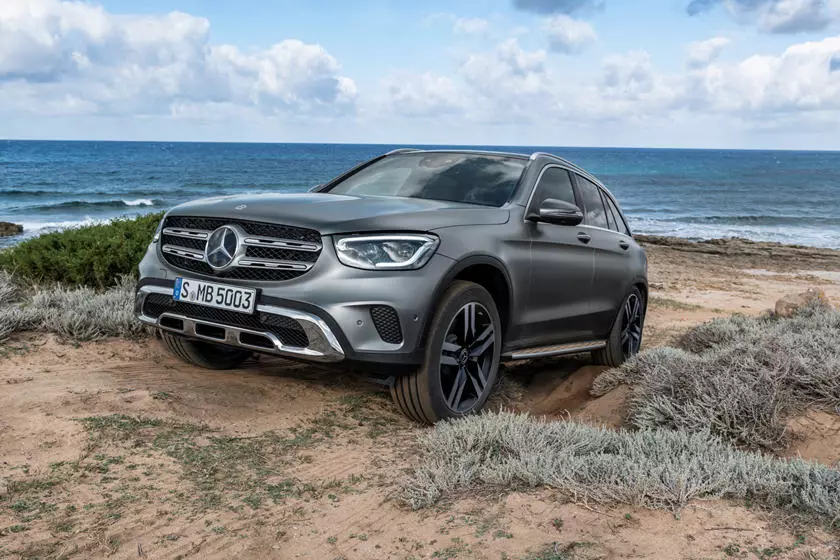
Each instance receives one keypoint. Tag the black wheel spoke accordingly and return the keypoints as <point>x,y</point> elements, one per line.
<point>469,322</point>
<point>476,377</point>
<point>448,360</point>
<point>631,326</point>
<point>466,358</point>
<point>457,388</point>
<point>483,342</point>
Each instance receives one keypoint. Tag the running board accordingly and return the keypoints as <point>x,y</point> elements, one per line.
<point>555,350</point>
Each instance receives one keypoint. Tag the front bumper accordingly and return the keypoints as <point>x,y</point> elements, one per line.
<point>321,346</point>
<point>332,304</point>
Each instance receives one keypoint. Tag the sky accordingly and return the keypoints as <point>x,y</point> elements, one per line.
<point>754,74</point>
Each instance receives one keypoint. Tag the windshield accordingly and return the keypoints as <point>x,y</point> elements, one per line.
<point>472,178</point>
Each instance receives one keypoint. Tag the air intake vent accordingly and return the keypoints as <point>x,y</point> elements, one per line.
<point>387,323</point>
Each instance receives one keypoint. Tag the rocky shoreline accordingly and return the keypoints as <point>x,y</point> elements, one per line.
<point>7,229</point>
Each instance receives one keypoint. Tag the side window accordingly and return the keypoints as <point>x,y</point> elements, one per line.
<point>593,206</point>
<point>610,217</point>
<point>620,226</point>
<point>554,183</point>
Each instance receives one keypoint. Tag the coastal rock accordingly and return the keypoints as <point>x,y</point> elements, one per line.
<point>8,228</point>
<point>789,304</point>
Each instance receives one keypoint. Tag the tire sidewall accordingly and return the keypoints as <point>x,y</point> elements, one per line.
<point>461,294</point>
<point>615,338</point>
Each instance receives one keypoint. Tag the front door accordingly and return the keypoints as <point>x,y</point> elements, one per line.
<point>562,267</point>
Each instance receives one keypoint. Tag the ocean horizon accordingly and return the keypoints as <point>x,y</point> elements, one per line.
<point>786,196</point>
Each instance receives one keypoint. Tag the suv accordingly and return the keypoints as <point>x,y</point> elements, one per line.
<point>427,267</point>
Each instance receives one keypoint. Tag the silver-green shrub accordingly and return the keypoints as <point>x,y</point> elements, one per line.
<point>650,468</point>
<point>738,377</point>
<point>77,314</point>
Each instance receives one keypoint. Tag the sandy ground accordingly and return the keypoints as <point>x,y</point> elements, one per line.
<point>115,449</point>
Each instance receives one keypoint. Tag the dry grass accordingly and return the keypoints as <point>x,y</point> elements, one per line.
<point>77,314</point>
<point>650,468</point>
<point>738,377</point>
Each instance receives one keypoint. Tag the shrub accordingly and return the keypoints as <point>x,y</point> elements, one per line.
<point>94,255</point>
<point>739,377</point>
<point>77,314</point>
<point>651,468</point>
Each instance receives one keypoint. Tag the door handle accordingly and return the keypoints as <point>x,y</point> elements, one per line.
<point>584,237</point>
<point>623,244</point>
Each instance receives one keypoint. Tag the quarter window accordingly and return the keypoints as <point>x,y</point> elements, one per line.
<point>617,221</point>
<point>554,183</point>
<point>594,212</point>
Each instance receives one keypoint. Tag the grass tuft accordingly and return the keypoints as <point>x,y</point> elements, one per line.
<point>651,468</point>
<point>77,314</point>
<point>738,377</point>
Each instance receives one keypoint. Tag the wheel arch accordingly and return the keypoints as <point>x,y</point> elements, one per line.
<point>486,271</point>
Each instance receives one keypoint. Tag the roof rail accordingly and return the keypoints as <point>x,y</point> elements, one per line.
<point>535,155</point>
<point>402,151</point>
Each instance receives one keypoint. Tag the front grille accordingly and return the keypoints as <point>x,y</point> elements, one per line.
<point>286,329</point>
<point>260,230</point>
<point>253,228</point>
<point>387,323</point>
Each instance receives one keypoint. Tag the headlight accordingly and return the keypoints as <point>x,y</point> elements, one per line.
<point>386,251</point>
<point>156,236</point>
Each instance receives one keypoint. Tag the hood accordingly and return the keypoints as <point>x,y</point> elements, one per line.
<point>335,213</point>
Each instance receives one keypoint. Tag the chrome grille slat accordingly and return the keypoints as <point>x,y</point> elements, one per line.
<point>269,263</point>
<point>282,244</point>
<point>181,252</point>
<point>188,233</point>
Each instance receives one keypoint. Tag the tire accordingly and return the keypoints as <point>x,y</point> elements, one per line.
<point>619,348</point>
<point>461,364</point>
<point>204,354</point>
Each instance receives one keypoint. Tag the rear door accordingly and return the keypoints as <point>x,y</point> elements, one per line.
<point>610,241</point>
<point>562,267</point>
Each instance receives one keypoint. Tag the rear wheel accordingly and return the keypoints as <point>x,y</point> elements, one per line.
<point>461,361</point>
<point>204,354</point>
<point>626,336</point>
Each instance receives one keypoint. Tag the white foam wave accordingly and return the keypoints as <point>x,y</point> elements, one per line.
<point>139,202</point>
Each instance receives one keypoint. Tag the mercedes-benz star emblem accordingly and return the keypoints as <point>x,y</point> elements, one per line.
<point>221,247</point>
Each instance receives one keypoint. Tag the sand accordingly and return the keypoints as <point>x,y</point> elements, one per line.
<point>280,460</point>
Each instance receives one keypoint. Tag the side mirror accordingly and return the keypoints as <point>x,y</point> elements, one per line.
<point>316,188</point>
<point>559,212</point>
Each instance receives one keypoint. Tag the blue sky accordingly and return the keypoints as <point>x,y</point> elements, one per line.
<point>681,73</point>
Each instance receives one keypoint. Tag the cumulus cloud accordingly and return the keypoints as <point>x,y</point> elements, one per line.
<point>568,35</point>
<point>66,56</point>
<point>701,53</point>
<point>462,25</point>
<point>471,26</point>
<point>511,84</point>
<point>776,16</point>
<point>424,95</point>
<point>558,6</point>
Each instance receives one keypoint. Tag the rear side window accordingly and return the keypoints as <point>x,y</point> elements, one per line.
<point>554,183</point>
<point>593,207</point>
<point>617,223</point>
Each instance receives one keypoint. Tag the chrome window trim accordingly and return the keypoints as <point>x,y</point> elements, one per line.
<point>537,184</point>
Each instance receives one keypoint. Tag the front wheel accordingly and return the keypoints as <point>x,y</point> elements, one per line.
<point>626,336</point>
<point>462,358</point>
<point>204,354</point>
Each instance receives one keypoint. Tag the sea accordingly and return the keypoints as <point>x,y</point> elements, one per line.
<point>785,196</point>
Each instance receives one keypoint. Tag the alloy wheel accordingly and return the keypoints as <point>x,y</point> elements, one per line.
<point>631,326</point>
<point>466,357</point>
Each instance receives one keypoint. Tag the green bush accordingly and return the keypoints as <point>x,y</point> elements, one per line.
<point>85,256</point>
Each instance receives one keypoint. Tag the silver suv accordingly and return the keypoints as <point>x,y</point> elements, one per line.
<point>427,268</point>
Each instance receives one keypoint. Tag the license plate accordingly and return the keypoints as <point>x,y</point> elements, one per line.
<point>220,296</point>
